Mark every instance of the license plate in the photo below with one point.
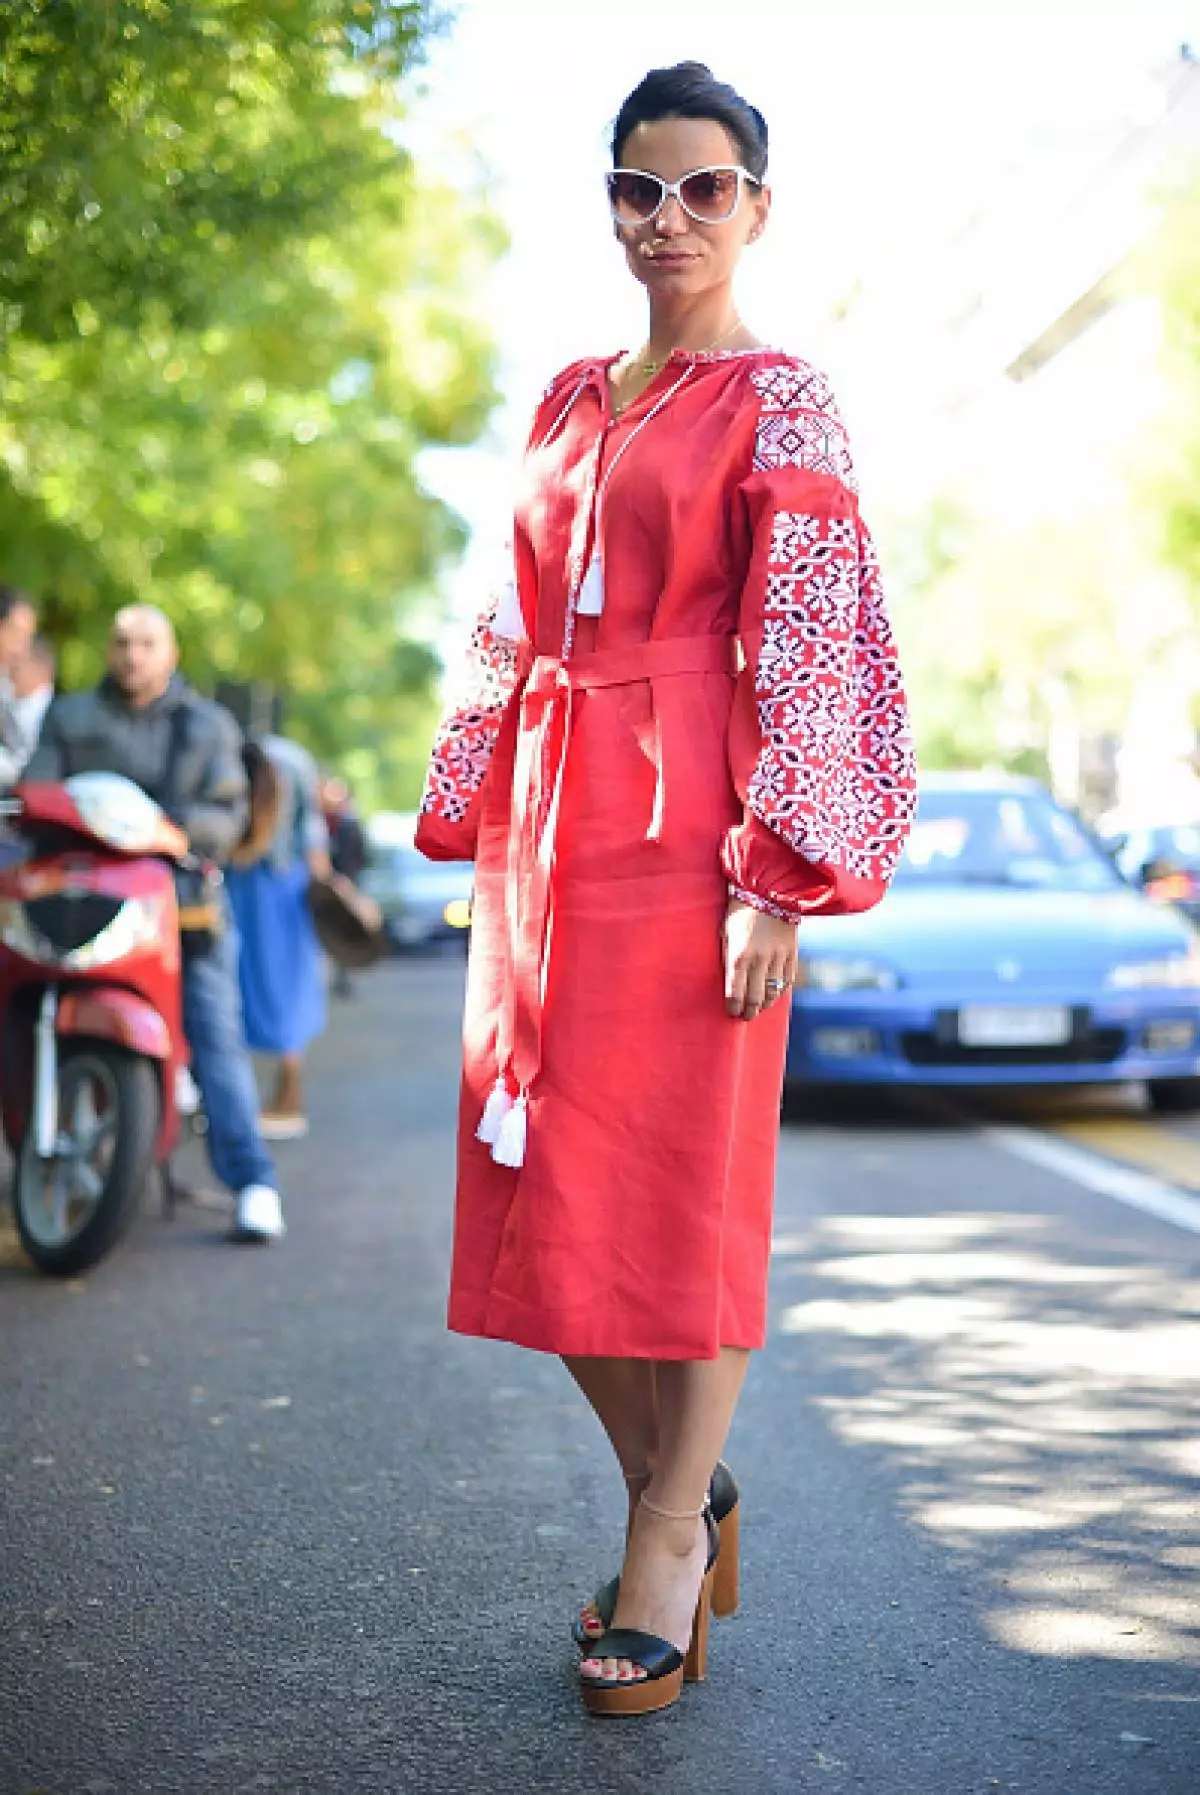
(1014, 1025)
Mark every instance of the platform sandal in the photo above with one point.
(723, 1500)
(666, 1669)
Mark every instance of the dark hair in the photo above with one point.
(690, 90)
(267, 791)
(11, 599)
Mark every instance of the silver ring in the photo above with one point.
(775, 984)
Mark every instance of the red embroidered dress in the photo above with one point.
(613, 777)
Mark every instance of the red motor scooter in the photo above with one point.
(91, 1033)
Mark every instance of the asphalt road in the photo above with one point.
(265, 1526)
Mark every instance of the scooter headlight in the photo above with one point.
(79, 931)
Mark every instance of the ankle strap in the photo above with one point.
(674, 1514)
(638, 1476)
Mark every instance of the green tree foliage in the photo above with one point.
(1010, 634)
(1172, 486)
(234, 311)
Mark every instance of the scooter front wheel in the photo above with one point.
(73, 1208)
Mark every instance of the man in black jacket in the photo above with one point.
(145, 722)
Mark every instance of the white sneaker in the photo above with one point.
(187, 1092)
(259, 1214)
(273, 1125)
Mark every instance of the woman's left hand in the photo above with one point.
(760, 959)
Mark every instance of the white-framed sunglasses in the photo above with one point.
(709, 195)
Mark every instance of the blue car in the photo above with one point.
(1009, 951)
(425, 903)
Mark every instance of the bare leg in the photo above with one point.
(664, 1561)
(696, 1403)
(289, 1096)
(622, 1395)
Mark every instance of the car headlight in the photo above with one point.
(1173, 972)
(844, 972)
(136, 924)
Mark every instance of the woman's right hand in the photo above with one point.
(760, 959)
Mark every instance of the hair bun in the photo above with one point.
(691, 90)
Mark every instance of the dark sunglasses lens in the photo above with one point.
(633, 197)
(711, 194)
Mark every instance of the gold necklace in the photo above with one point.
(651, 368)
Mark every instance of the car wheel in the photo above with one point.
(1175, 1096)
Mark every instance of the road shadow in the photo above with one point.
(1035, 1406)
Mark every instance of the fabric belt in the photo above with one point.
(547, 717)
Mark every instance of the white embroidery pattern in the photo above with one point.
(761, 903)
(799, 424)
(836, 776)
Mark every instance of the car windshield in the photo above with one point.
(397, 870)
(1002, 838)
(394, 861)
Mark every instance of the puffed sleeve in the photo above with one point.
(448, 822)
(821, 748)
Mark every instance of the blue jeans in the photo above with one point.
(212, 1023)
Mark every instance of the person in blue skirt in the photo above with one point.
(281, 965)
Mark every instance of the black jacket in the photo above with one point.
(182, 749)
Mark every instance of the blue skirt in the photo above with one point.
(281, 966)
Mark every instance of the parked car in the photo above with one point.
(424, 902)
(1164, 859)
(1009, 951)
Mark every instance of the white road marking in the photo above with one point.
(1140, 1190)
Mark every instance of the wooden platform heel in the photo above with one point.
(725, 1506)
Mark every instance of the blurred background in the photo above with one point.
(279, 286)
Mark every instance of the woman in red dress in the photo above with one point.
(682, 729)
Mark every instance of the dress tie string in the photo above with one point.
(547, 715)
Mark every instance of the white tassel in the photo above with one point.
(510, 1145)
(494, 1111)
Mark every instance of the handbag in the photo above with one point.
(349, 925)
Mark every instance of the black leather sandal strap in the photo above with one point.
(657, 1657)
(714, 1540)
(604, 1602)
(605, 1599)
(722, 1491)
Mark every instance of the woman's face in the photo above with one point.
(674, 255)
